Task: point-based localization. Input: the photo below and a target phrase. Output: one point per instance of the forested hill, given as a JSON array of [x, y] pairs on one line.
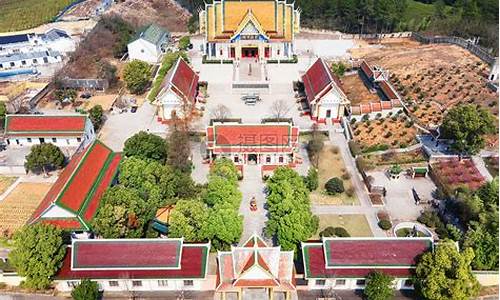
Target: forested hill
[[465, 18]]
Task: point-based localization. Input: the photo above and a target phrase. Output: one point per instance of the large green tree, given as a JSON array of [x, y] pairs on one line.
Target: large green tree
[[224, 167], [220, 190], [137, 75], [96, 116], [146, 146], [223, 226], [86, 290], [379, 286], [187, 220], [466, 125], [123, 214], [485, 246], [38, 253], [446, 274], [290, 218], [44, 157]]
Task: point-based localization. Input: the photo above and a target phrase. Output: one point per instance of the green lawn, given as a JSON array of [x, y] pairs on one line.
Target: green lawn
[[24, 14], [418, 10], [356, 225]]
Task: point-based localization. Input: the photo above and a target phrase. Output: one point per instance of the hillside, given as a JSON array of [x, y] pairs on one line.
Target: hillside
[[166, 13]]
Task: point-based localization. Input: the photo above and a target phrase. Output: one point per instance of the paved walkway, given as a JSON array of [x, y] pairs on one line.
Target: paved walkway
[[252, 185], [481, 166], [338, 139]]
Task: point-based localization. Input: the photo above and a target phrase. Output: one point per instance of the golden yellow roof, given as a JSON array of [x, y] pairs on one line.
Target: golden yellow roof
[[223, 18]]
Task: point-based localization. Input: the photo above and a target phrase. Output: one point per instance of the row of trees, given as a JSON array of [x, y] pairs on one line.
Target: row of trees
[[214, 215], [290, 218]]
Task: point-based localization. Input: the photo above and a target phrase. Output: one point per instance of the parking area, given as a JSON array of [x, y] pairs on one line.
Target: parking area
[[400, 202], [120, 126]]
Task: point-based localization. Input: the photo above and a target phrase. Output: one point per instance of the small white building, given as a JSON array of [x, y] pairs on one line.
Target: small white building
[[61, 130], [136, 265], [324, 94], [150, 44], [178, 93], [29, 59]]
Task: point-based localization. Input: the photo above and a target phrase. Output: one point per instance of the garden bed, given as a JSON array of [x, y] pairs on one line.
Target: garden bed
[[396, 131], [356, 225], [332, 165], [452, 174], [393, 158]]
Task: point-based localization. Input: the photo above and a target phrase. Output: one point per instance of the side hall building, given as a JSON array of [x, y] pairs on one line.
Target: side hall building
[[263, 29]]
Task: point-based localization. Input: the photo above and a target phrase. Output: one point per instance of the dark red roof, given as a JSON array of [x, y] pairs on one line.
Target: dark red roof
[[193, 264], [316, 79], [256, 282], [367, 69], [358, 257], [64, 223], [44, 125], [82, 183], [387, 90], [374, 252], [185, 81], [126, 254]]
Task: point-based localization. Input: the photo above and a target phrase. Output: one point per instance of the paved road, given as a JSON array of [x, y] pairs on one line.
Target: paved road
[[252, 185], [338, 139]]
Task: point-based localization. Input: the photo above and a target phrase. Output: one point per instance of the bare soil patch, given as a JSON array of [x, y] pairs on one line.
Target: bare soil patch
[[393, 132], [20, 204], [432, 78], [356, 90], [166, 13]]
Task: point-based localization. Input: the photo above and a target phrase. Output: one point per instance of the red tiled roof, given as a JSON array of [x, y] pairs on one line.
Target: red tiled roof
[[376, 107], [387, 90], [367, 69], [82, 183], [365, 108], [126, 254], [193, 264], [185, 81], [44, 125], [316, 79], [374, 252], [386, 104], [315, 265]]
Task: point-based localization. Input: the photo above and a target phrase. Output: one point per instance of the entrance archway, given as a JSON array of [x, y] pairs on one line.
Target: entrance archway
[[249, 52], [252, 159]]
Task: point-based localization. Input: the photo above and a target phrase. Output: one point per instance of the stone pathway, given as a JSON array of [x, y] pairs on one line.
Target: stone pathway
[[252, 185], [481, 167]]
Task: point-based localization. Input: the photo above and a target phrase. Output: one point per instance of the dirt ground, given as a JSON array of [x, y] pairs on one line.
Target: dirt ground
[[165, 13], [331, 165], [83, 10], [356, 91], [431, 78], [356, 225], [391, 131], [20, 204]]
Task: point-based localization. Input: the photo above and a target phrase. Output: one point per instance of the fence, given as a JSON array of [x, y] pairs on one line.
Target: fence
[[474, 49], [93, 84], [368, 36]]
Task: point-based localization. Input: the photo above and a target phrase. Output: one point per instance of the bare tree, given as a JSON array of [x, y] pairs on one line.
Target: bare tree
[[220, 112], [280, 109]]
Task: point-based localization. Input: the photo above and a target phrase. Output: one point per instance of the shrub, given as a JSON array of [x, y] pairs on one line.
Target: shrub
[[346, 176], [385, 224], [365, 118], [353, 120], [95, 115], [354, 148], [334, 186], [429, 218], [136, 75], [86, 290], [184, 43], [311, 180], [350, 192], [334, 231]]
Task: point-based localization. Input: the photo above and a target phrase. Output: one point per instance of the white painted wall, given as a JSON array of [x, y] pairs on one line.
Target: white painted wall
[[143, 50], [350, 284], [127, 285], [24, 63]]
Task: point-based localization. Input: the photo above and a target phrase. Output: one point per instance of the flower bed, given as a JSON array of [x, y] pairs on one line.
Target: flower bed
[[451, 174], [376, 199]]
